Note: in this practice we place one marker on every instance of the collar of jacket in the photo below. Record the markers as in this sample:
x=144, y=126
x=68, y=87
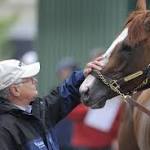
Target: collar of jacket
x=6, y=106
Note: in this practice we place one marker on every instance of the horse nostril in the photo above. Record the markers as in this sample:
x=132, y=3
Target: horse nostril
x=85, y=95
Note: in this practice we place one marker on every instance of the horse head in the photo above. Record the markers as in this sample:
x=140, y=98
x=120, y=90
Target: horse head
x=124, y=61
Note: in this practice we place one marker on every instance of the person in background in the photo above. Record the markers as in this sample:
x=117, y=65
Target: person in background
x=26, y=120
x=65, y=67
x=63, y=130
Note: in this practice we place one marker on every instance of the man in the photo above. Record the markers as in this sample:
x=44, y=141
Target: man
x=29, y=127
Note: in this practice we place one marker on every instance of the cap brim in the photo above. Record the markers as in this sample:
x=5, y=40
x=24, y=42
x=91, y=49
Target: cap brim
x=30, y=70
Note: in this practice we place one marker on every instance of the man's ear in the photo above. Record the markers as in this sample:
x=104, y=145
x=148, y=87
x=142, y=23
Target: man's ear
x=14, y=90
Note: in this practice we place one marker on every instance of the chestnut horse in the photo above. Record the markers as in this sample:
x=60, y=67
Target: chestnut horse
x=125, y=71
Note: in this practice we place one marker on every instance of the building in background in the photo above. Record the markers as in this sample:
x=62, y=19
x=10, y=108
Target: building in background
x=73, y=28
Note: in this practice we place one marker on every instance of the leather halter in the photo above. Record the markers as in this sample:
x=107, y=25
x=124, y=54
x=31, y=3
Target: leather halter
x=115, y=86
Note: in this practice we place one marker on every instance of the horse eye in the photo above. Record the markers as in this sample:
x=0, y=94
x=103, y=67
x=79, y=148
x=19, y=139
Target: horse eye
x=126, y=48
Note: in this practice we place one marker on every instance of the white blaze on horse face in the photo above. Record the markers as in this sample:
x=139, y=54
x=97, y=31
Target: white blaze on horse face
x=87, y=83
x=109, y=51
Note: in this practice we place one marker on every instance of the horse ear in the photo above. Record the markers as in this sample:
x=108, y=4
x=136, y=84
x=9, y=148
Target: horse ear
x=141, y=5
x=147, y=23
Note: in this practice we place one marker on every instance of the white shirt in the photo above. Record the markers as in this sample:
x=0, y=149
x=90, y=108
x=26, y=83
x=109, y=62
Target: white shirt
x=28, y=108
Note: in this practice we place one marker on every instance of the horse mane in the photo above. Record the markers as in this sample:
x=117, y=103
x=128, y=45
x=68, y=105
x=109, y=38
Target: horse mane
x=135, y=24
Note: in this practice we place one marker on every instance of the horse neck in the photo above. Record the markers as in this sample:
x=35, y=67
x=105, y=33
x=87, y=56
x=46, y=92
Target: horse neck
x=126, y=132
x=141, y=122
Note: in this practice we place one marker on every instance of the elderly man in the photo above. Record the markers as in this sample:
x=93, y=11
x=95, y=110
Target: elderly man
x=26, y=121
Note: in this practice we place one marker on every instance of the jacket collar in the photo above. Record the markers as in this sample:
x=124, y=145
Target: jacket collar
x=6, y=106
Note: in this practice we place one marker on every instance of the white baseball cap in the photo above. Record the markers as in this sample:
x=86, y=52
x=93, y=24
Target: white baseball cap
x=11, y=70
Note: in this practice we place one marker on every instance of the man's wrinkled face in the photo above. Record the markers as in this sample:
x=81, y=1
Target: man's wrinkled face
x=27, y=88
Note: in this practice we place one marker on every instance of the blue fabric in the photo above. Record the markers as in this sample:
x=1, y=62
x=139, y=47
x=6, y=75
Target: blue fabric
x=71, y=85
x=69, y=90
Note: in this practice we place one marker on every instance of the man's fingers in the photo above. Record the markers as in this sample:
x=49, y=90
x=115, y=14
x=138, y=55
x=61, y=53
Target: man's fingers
x=87, y=71
x=99, y=58
x=99, y=63
x=94, y=65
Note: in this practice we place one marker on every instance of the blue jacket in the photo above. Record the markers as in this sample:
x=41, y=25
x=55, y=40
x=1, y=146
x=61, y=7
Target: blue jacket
x=20, y=130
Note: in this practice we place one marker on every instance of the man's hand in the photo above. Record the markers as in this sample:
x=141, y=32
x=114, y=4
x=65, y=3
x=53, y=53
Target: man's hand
x=95, y=64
